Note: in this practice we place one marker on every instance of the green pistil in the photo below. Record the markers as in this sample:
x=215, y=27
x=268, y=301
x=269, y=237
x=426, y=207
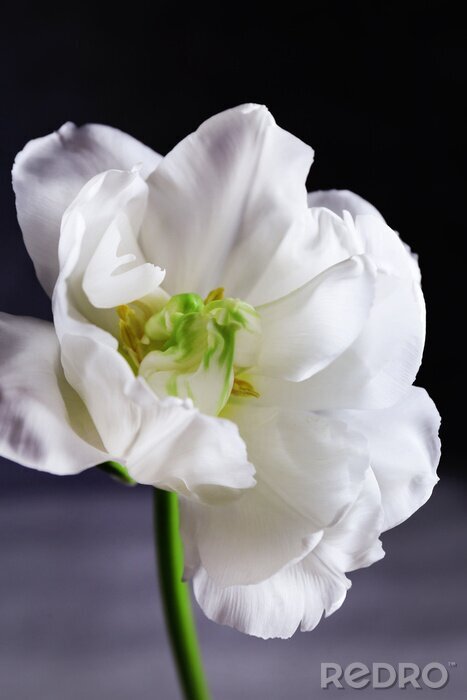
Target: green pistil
x=187, y=335
x=162, y=325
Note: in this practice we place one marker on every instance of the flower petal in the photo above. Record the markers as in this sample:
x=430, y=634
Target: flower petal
x=101, y=265
x=301, y=592
x=206, y=386
x=404, y=451
x=376, y=370
x=384, y=246
x=180, y=449
x=105, y=284
x=49, y=172
x=314, y=464
x=353, y=542
x=166, y=443
x=43, y=422
x=101, y=377
x=238, y=178
x=309, y=472
x=130, y=419
x=298, y=594
x=383, y=362
x=339, y=201
x=272, y=608
x=247, y=539
x=306, y=330
x=342, y=201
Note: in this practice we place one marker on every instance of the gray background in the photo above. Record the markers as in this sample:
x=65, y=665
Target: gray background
x=80, y=615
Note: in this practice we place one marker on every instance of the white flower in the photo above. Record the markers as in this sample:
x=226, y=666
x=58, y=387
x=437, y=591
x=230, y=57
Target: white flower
x=209, y=317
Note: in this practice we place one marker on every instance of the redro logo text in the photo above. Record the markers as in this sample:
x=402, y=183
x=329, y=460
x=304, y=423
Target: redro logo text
x=383, y=675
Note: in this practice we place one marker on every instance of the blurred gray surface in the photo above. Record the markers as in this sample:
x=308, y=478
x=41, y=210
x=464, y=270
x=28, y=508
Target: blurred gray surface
x=80, y=615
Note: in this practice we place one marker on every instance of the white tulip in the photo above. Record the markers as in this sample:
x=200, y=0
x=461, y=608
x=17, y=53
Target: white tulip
x=223, y=335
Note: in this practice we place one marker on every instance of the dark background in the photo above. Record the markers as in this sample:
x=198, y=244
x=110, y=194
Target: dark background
x=377, y=89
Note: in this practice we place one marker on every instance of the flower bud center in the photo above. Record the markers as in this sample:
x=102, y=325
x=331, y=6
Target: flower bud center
x=192, y=348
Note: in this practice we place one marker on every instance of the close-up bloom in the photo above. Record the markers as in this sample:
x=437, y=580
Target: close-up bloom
x=222, y=334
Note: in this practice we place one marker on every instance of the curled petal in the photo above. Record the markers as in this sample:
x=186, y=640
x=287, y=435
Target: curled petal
x=48, y=174
x=105, y=283
x=101, y=264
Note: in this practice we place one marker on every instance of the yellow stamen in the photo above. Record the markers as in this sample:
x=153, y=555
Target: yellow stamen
x=243, y=388
x=131, y=333
x=215, y=295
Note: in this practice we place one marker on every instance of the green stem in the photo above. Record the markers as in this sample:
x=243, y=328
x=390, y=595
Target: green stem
x=176, y=597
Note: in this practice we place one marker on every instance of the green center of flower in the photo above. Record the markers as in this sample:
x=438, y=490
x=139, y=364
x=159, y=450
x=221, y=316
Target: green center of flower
x=192, y=348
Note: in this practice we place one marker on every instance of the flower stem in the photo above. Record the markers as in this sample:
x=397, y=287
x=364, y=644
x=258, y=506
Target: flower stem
x=176, y=597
